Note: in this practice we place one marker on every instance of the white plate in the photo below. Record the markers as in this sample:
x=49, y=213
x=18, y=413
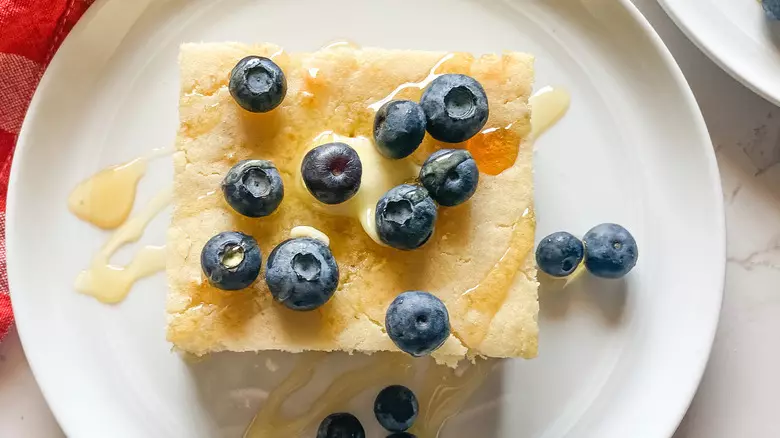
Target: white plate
x=736, y=35
x=617, y=359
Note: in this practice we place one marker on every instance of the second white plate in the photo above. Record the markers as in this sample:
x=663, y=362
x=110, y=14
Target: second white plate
x=738, y=36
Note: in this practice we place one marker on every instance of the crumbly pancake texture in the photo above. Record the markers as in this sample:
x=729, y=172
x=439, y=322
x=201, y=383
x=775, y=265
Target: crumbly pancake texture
x=331, y=90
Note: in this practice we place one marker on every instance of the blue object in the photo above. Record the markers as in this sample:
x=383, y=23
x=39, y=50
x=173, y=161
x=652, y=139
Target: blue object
x=559, y=254
x=456, y=107
x=399, y=128
x=402, y=435
x=301, y=273
x=405, y=217
x=396, y=408
x=257, y=84
x=231, y=260
x=417, y=322
x=772, y=8
x=610, y=251
x=253, y=188
x=332, y=172
x=341, y=425
x=450, y=176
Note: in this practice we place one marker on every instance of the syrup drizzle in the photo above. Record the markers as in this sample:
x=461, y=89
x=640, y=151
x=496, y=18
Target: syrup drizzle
x=476, y=308
x=106, y=198
x=421, y=84
x=548, y=105
x=270, y=422
x=110, y=283
x=444, y=392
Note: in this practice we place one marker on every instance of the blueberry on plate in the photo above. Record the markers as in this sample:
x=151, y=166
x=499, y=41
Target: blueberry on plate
x=399, y=128
x=610, y=251
x=559, y=254
x=231, y=260
x=405, y=217
x=301, y=273
x=772, y=8
x=332, y=172
x=450, y=176
x=417, y=322
x=257, y=84
x=341, y=425
x=456, y=107
x=396, y=408
x=253, y=188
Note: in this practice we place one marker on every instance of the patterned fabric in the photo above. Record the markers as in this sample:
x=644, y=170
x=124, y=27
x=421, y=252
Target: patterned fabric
x=30, y=33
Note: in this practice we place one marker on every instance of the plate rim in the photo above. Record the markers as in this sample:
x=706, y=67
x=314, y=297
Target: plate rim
x=742, y=75
x=24, y=314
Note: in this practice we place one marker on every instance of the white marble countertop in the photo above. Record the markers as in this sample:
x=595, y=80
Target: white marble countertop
x=740, y=392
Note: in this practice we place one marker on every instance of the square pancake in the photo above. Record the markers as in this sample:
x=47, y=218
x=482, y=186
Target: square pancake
x=479, y=260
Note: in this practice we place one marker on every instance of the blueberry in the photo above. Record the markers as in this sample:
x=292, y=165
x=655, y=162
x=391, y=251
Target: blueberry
x=417, y=322
x=341, y=425
x=301, y=273
x=396, y=408
x=559, y=254
x=455, y=106
x=257, y=84
x=450, y=176
x=610, y=251
x=405, y=217
x=332, y=172
x=399, y=128
x=402, y=435
x=231, y=260
x=772, y=9
x=253, y=188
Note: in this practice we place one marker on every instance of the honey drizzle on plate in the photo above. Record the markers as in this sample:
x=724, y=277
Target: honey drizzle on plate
x=443, y=394
x=110, y=283
x=548, y=105
x=106, y=198
x=270, y=422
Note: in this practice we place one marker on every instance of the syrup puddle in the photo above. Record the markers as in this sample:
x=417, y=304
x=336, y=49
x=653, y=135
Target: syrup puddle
x=106, y=198
x=110, y=283
x=422, y=84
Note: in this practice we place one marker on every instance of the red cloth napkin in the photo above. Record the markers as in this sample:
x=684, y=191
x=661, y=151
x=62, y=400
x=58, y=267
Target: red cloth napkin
x=30, y=33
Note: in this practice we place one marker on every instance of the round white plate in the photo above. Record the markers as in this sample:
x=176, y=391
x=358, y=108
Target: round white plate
x=616, y=359
x=738, y=36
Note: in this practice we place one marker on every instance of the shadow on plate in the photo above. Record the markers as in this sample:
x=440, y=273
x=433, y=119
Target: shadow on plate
x=608, y=297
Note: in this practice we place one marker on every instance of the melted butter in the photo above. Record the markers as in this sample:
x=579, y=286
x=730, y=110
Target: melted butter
x=110, y=283
x=475, y=308
x=548, y=105
x=420, y=84
x=106, y=198
x=270, y=421
x=380, y=174
x=444, y=393
x=310, y=232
